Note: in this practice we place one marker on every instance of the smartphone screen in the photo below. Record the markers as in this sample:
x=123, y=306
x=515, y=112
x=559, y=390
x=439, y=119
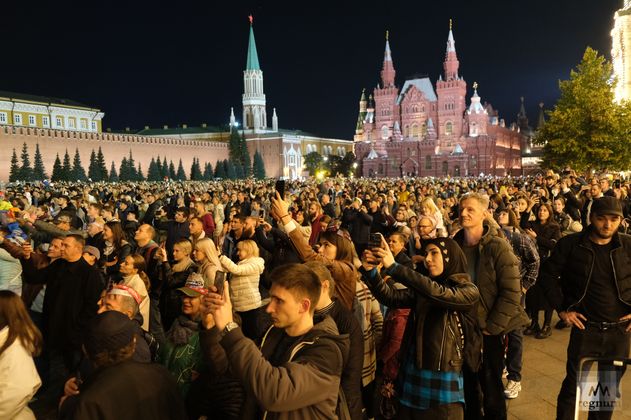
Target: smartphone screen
x=280, y=187
x=220, y=277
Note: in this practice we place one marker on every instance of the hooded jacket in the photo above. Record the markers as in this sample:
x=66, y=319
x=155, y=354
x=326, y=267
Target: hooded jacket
x=497, y=278
x=305, y=386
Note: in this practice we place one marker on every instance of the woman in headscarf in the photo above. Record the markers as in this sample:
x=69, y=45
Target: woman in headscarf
x=437, y=341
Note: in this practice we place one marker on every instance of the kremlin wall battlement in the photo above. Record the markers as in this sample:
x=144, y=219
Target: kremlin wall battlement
x=114, y=146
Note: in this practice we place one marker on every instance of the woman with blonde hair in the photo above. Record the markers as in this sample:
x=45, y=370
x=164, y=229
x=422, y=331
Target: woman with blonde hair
x=244, y=285
x=173, y=276
x=133, y=271
x=20, y=340
x=207, y=258
x=429, y=208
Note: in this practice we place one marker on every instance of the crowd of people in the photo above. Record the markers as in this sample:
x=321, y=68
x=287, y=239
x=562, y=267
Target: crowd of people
x=343, y=298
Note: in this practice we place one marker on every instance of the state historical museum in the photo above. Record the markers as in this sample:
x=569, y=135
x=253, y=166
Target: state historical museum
x=417, y=130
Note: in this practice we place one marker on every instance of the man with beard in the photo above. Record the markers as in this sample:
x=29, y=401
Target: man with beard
x=587, y=279
x=315, y=213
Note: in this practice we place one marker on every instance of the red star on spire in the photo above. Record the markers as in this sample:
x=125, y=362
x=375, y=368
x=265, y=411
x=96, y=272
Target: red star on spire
x=251, y=19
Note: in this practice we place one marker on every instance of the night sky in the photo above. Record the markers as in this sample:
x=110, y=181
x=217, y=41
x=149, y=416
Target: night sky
x=144, y=63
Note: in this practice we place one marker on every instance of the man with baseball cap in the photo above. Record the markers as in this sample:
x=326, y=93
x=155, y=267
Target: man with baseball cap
x=588, y=281
x=120, y=388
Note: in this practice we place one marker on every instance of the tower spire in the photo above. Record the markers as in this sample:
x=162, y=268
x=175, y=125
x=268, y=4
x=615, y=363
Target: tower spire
x=387, y=72
x=253, y=57
x=254, y=109
x=451, y=63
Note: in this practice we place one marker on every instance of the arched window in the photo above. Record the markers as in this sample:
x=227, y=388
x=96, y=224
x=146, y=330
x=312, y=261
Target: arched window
x=449, y=128
x=445, y=168
x=415, y=108
x=414, y=131
x=406, y=131
x=428, y=162
x=424, y=130
x=473, y=129
x=384, y=132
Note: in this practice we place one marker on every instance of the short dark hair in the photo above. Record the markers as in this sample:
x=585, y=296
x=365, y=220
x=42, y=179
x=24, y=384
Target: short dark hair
x=300, y=280
x=184, y=210
x=77, y=238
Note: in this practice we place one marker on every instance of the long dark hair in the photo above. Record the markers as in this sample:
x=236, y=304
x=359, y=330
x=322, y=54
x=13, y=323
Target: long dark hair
x=13, y=314
x=344, y=246
x=118, y=235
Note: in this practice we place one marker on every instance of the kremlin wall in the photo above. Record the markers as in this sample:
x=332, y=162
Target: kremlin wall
x=59, y=124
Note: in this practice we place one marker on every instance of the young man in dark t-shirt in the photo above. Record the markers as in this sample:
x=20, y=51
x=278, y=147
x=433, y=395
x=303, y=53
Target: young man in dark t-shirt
x=587, y=279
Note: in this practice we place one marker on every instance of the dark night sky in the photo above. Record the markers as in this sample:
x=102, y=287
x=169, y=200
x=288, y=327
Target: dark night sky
x=144, y=63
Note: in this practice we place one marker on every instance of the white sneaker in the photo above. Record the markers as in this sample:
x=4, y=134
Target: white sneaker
x=512, y=389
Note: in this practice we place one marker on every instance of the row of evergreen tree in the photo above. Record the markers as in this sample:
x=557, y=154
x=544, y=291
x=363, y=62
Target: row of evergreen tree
x=237, y=167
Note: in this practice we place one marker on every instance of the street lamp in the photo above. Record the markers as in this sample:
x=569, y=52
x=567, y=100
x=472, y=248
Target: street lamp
x=355, y=165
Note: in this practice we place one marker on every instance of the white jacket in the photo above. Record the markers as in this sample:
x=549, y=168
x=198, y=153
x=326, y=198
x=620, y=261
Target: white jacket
x=18, y=380
x=244, y=284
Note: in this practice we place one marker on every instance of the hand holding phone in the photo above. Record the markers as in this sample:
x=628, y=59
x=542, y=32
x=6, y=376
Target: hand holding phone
x=220, y=278
x=374, y=240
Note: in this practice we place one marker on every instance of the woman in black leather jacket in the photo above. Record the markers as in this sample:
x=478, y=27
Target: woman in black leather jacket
x=433, y=350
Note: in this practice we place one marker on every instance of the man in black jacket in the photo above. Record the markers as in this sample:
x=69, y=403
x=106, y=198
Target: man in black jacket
x=357, y=220
x=73, y=288
x=587, y=279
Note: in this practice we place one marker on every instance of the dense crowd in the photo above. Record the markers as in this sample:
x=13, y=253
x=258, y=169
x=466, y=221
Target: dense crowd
x=343, y=298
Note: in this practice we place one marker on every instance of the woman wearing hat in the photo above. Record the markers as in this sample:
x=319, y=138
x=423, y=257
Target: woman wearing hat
x=181, y=353
x=437, y=339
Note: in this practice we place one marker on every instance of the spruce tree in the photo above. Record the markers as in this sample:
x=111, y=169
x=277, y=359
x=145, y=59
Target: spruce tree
x=39, y=172
x=133, y=172
x=57, y=170
x=238, y=171
x=208, y=171
x=78, y=173
x=234, y=146
x=139, y=175
x=153, y=174
x=93, y=170
x=231, y=172
x=172, y=174
x=165, y=168
x=14, y=172
x=246, y=161
x=196, y=171
x=66, y=169
x=113, y=176
x=100, y=160
x=160, y=169
x=26, y=171
x=123, y=170
x=181, y=175
x=258, y=168
x=220, y=170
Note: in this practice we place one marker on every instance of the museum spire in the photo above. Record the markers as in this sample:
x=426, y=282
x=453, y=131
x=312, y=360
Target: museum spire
x=387, y=72
x=451, y=63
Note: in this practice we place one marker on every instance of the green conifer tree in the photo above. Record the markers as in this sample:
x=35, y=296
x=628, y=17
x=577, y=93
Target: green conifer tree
x=139, y=175
x=123, y=170
x=181, y=175
x=93, y=169
x=39, y=172
x=258, y=168
x=172, y=173
x=133, y=172
x=234, y=146
x=14, y=171
x=113, y=176
x=102, y=172
x=160, y=169
x=246, y=161
x=78, y=173
x=153, y=174
x=58, y=171
x=66, y=168
x=26, y=171
x=231, y=172
x=208, y=171
x=220, y=170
